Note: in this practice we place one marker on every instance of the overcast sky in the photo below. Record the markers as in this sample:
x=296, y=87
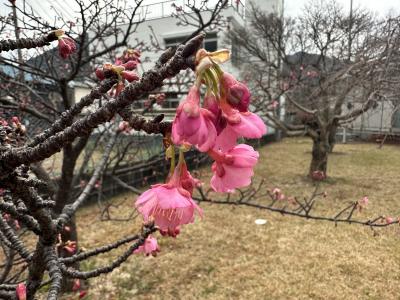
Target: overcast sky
x=381, y=7
x=292, y=7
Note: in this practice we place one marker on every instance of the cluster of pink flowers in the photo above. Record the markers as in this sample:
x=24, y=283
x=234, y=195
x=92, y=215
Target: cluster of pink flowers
x=66, y=45
x=212, y=125
x=125, y=67
x=215, y=125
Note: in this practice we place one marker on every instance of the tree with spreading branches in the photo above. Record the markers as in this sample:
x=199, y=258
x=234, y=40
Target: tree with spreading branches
x=321, y=70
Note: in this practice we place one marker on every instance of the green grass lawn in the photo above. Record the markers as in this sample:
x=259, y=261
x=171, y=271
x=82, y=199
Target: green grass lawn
x=226, y=256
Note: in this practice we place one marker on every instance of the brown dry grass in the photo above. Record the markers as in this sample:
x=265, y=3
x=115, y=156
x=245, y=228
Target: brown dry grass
x=227, y=256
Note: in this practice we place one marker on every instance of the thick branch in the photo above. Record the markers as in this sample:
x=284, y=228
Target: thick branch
x=27, y=43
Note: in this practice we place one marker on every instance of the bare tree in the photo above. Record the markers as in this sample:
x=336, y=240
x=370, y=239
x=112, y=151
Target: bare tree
x=322, y=69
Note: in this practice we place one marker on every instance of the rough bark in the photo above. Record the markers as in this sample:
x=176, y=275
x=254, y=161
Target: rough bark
x=319, y=160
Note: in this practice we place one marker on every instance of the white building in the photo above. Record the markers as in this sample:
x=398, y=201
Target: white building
x=163, y=28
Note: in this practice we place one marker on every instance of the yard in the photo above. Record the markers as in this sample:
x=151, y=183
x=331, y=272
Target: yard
x=227, y=256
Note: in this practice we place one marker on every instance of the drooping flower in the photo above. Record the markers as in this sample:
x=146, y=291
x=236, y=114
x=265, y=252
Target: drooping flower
x=237, y=93
x=150, y=247
x=239, y=124
x=246, y=124
x=21, y=291
x=66, y=45
x=193, y=124
x=234, y=168
x=211, y=104
x=170, y=204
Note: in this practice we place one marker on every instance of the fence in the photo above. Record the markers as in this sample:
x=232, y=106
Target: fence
x=155, y=169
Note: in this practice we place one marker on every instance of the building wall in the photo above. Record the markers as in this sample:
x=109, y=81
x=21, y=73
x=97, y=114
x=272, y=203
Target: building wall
x=378, y=119
x=165, y=27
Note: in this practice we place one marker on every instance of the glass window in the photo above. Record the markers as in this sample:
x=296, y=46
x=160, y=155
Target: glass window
x=210, y=42
x=396, y=119
x=211, y=45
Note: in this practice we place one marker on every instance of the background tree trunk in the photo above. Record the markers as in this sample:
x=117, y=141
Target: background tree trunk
x=319, y=161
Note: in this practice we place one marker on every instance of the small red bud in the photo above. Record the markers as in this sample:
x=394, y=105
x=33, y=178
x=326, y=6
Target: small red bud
x=99, y=74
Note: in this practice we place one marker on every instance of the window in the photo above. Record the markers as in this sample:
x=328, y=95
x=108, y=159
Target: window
x=396, y=119
x=235, y=53
x=175, y=41
x=210, y=42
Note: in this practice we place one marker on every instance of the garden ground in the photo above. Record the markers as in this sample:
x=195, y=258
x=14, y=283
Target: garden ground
x=227, y=256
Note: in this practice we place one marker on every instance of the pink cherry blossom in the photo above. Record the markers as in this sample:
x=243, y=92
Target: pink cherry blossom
x=150, y=247
x=170, y=204
x=237, y=93
x=239, y=124
x=193, y=124
x=234, y=168
x=21, y=291
x=250, y=126
x=211, y=104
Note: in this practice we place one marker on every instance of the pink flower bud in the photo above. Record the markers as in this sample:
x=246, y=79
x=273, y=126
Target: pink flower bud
x=389, y=220
x=77, y=285
x=17, y=226
x=97, y=184
x=130, y=76
x=82, y=294
x=150, y=247
x=15, y=120
x=21, y=291
x=130, y=65
x=66, y=46
x=122, y=126
x=318, y=175
x=70, y=247
x=238, y=95
x=99, y=73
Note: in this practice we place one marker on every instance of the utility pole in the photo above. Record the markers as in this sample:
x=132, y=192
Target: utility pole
x=16, y=32
x=350, y=28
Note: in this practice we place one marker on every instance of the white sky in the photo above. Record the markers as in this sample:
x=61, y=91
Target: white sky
x=381, y=7
x=292, y=7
